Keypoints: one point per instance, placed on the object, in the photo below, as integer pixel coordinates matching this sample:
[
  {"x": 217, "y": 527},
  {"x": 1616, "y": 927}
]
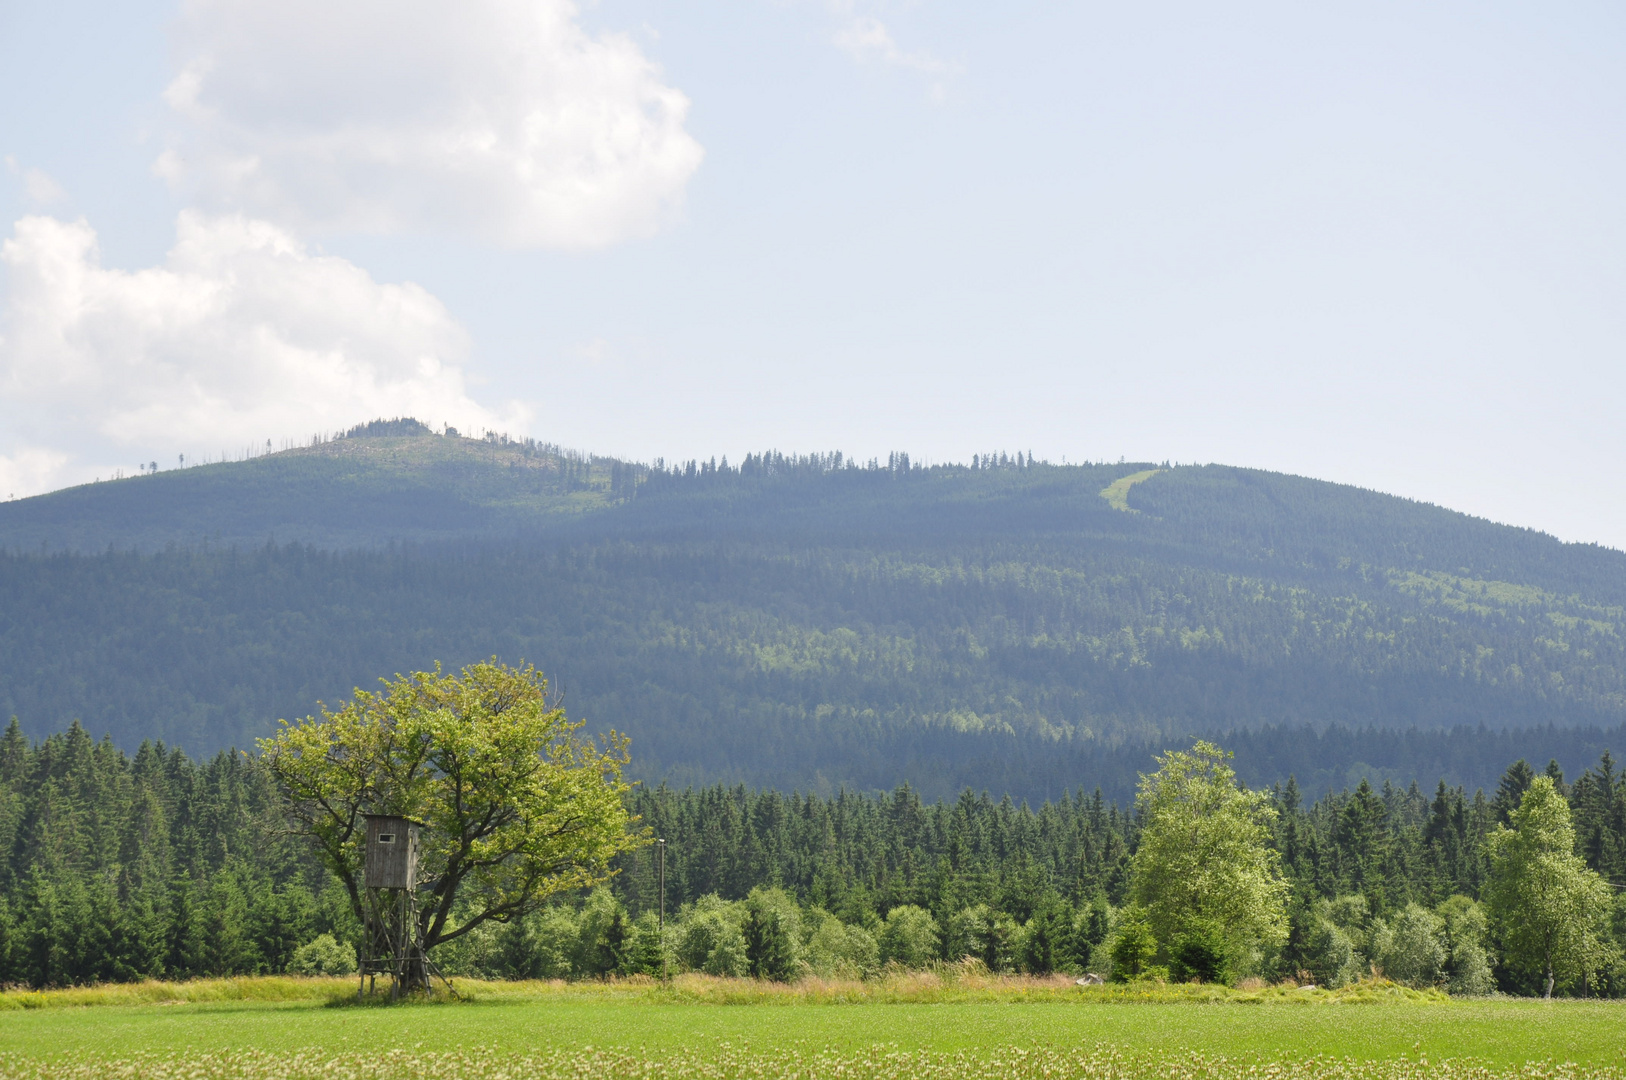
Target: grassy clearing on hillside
[{"x": 1117, "y": 492}]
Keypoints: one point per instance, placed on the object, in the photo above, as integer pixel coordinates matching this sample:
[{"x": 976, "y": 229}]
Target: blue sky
[{"x": 1382, "y": 245}]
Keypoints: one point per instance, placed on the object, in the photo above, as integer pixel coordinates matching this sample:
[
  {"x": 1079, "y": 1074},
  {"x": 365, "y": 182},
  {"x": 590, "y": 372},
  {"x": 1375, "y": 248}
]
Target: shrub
[
  {"x": 773, "y": 935},
  {"x": 477, "y": 954},
  {"x": 1470, "y": 971},
  {"x": 1045, "y": 942},
  {"x": 1349, "y": 913},
  {"x": 709, "y": 939},
  {"x": 1411, "y": 950},
  {"x": 909, "y": 937},
  {"x": 641, "y": 953},
  {"x": 1468, "y": 962},
  {"x": 323, "y": 956},
  {"x": 1089, "y": 931},
  {"x": 1131, "y": 945},
  {"x": 770, "y": 952},
  {"x": 839, "y": 949},
  {"x": 601, "y": 934},
  {"x": 727, "y": 956},
  {"x": 540, "y": 946},
  {"x": 1332, "y": 957},
  {"x": 1338, "y": 936},
  {"x": 1200, "y": 954},
  {"x": 979, "y": 933},
  {"x": 963, "y": 932}
]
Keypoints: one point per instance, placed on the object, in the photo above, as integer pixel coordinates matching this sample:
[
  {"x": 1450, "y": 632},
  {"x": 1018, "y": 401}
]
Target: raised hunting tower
[
  {"x": 394, "y": 942},
  {"x": 391, "y": 858}
]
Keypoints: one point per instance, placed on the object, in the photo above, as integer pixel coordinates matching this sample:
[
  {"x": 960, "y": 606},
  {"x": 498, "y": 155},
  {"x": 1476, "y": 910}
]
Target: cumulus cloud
[
  {"x": 38, "y": 184},
  {"x": 242, "y": 335},
  {"x": 866, "y": 38},
  {"x": 503, "y": 120}
]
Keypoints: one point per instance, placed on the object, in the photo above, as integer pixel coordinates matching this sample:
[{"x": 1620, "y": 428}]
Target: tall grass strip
[{"x": 949, "y": 983}]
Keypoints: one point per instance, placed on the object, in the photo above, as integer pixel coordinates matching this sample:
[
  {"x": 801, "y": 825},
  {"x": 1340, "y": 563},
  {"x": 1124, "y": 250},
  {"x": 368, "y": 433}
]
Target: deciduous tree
[
  {"x": 1546, "y": 905},
  {"x": 516, "y": 806},
  {"x": 1204, "y": 867}
]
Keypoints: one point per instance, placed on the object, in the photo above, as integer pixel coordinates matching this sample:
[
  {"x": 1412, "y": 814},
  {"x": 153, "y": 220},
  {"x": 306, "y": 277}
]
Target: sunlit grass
[
  {"x": 947, "y": 983},
  {"x": 951, "y": 1022},
  {"x": 265, "y": 988}
]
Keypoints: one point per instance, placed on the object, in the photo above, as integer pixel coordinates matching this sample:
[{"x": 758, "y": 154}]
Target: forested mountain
[{"x": 816, "y": 622}]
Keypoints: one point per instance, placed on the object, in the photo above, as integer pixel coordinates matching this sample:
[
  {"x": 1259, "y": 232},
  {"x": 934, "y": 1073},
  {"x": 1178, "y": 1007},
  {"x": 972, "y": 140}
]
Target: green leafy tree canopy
[
  {"x": 1205, "y": 868},
  {"x": 515, "y": 805},
  {"x": 1548, "y": 908}
]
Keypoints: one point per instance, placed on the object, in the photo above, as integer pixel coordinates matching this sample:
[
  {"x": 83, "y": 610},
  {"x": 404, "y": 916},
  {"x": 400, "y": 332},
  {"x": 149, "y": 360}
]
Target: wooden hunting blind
[
  {"x": 391, "y": 859},
  {"x": 393, "y": 944}
]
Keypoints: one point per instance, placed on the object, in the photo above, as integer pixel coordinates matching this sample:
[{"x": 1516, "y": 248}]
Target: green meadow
[{"x": 726, "y": 1028}]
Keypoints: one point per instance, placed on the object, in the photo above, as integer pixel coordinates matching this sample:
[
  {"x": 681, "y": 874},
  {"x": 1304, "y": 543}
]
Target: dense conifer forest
[
  {"x": 116, "y": 866},
  {"x": 816, "y": 623}
]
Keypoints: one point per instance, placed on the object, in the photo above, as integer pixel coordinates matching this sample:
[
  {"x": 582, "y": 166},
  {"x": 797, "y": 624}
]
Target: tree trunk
[{"x": 1547, "y": 994}]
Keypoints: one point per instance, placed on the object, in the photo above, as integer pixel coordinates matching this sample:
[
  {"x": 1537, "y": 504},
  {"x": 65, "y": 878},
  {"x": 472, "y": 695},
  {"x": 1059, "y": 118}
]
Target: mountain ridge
[{"x": 803, "y": 621}]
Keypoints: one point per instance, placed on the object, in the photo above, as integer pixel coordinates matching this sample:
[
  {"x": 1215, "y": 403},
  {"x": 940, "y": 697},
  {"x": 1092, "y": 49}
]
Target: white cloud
[
  {"x": 866, "y": 38},
  {"x": 30, "y": 470},
  {"x": 499, "y": 119},
  {"x": 38, "y": 185},
  {"x": 242, "y": 335}
]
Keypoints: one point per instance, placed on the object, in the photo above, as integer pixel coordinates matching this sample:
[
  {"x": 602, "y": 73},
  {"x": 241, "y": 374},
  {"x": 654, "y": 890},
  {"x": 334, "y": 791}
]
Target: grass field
[{"x": 968, "y": 1028}]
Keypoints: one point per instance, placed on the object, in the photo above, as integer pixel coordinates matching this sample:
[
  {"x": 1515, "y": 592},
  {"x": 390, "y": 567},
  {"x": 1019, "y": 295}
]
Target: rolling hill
[{"x": 813, "y": 622}]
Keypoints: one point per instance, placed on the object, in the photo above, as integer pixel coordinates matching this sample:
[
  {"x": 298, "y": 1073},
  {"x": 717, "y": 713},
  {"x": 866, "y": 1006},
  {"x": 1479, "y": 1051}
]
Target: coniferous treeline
[
  {"x": 858, "y": 853},
  {"x": 116, "y": 867}
]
